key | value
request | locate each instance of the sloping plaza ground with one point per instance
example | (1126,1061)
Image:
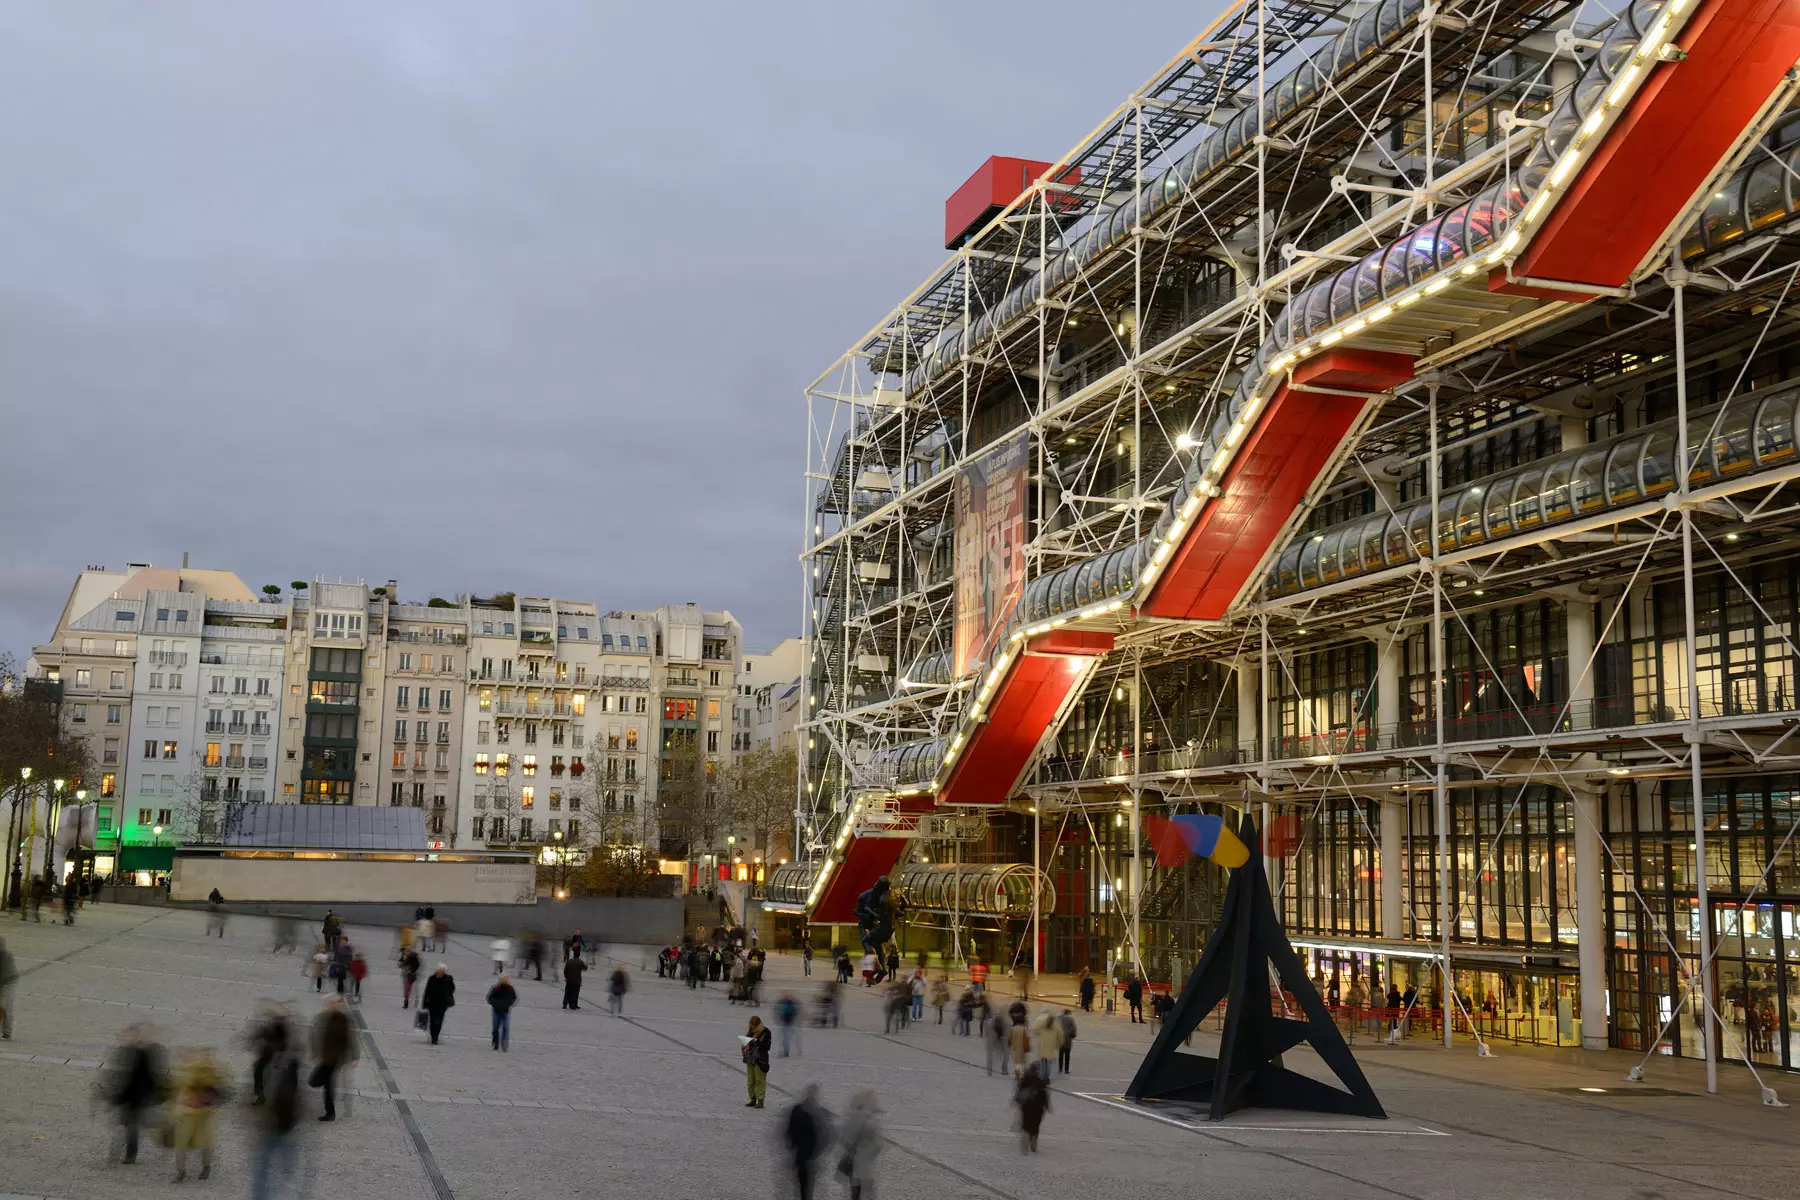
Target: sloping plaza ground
(653,1104)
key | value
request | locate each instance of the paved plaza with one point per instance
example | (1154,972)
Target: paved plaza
(653,1104)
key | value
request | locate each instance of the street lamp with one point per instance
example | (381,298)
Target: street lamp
(14,896)
(54,808)
(80,821)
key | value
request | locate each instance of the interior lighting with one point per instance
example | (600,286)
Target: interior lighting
(1409,298)
(1280,362)
(1355,326)
(1168,387)
(1381,314)
(1185,441)
(1731,537)
(1618,770)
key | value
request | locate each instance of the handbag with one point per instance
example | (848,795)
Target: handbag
(317,1078)
(421,1019)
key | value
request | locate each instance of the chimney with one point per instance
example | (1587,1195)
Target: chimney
(184,555)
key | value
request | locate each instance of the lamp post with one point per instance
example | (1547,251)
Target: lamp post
(80,822)
(16,875)
(562,863)
(52,807)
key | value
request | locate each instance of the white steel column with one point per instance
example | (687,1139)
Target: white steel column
(1247,723)
(1677,275)
(1578,613)
(1441,799)
(1590,916)
(1037,874)
(1387,688)
(1393,871)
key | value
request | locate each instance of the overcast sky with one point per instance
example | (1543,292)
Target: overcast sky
(479,295)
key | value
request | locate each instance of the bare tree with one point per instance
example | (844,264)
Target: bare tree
(759,796)
(688,809)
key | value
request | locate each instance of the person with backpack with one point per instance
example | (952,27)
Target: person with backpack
(1066,1023)
(787,1016)
(501,998)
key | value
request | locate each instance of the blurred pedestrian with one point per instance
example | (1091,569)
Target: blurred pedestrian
(916,987)
(756,1061)
(136,1084)
(358,969)
(1032,1097)
(994,1039)
(275,1140)
(572,973)
(501,998)
(965,1012)
(940,995)
(1047,1034)
(499,950)
(425,931)
(331,929)
(269,1038)
(287,934)
(199,1091)
(860,1145)
(616,987)
(1087,990)
(806,958)
(216,912)
(340,963)
(1018,1041)
(439,998)
(807,1134)
(409,974)
(333,1049)
(318,966)
(68,903)
(1066,1025)
(9,978)
(787,1016)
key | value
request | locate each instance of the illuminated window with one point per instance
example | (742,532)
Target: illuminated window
(528,764)
(578,703)
(212,754)
(527,796)
(400,759)
(500,764)
(481,764)
(487,698)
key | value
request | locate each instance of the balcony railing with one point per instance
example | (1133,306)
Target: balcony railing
(234,762)
(168,658)
(257,763)
(215,727)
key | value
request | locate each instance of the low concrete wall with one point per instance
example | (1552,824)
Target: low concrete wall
(347,881)
(612,919)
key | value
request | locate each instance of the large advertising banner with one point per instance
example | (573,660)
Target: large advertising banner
(990,547)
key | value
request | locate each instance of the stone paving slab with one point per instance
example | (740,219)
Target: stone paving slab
(653,1104)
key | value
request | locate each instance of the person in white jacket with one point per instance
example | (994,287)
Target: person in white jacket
(500,950)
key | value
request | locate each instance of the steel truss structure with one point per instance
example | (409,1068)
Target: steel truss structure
(1355,328)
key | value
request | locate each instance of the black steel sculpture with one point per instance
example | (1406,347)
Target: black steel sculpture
(1248,1073)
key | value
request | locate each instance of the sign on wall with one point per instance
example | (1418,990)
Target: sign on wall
(990,547)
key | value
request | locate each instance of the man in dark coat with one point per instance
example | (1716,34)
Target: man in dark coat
(806,1136)
(332,1048)
(572,972)
(501,998)
(440,998)
(137,1084)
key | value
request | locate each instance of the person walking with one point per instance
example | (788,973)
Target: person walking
(806,1134)
(426,928)
(275,1134)
(331,929)
(806,962)
(1018,1041)
(136,1086)
(1048,1037)
(501,998)
(1134,998)
(9,979)
(994,1039)
(917,987)
(340,963)
(787,1015)
(269,1038)
(333,1049)
(965,1012)
(409,975)
(1087,990)
(287,934)
(499,950)
(318,965)
(940,995)
(861,1145)
(359,968)
(439,998)
(1066,1024)
(616,987)
(1032,1097)
(199,1091)
(756,1061)
(572,972)
(892,964)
